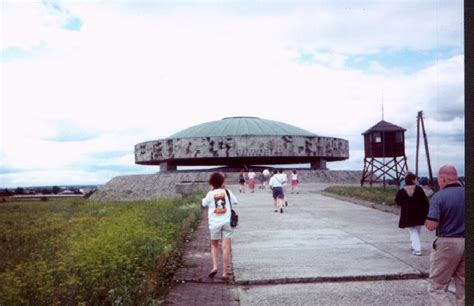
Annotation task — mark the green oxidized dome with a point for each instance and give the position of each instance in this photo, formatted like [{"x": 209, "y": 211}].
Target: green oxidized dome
[{"x": 242, "y": 126}]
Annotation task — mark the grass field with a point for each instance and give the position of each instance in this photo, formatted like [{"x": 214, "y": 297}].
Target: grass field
[
  {"x": 377, "y": 194},
  {"x": 79, "y": 252}
]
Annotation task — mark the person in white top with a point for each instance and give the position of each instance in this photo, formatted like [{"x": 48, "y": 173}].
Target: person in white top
[
  {"x": 219, "y": 201},
  {"x": 284, "y": 179},
  {"x": 276, "y": 184},
  {"x": 251, "y": 175},
  {"x": 266, "y": 177},
  {"x": 294, "y": 182}
]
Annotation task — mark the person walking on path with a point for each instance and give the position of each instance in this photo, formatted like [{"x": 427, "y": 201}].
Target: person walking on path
[
  {"x": 277, "y": 191},
  {"x": 242, "y": 181},
  {"x": 266, "y": 177},
  {"x": 294, "y": 182},
  {"x": 446, "y": 216},
  {"x": 414, "y": 209},
  {"x": 218, "y": 201},
  {"x": 283, "y": 178},
  {"x": 251, "y": 175}
]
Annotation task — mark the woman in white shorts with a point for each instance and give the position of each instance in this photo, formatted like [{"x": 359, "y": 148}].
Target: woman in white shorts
[{"x": 218, "y": 202}]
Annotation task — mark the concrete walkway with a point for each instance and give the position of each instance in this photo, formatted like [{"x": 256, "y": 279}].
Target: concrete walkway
[
  {"x": 322, "y": 251},
  {"x": 191, "y": 285}
]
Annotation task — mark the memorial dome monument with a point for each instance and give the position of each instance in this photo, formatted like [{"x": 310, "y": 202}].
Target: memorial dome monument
[{"x": 236, "y": 142}]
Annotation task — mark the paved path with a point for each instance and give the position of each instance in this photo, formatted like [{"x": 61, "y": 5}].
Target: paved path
[
  {"x": 320, "y": 251},
  {"x": 191, "y": 285}
]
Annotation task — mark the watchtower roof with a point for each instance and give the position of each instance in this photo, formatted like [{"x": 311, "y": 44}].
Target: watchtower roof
[
  {"x": 384, "y": 126},
  {"x": 242, "y": 126}
]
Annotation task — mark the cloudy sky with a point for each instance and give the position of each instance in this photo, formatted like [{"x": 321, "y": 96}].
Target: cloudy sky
[{"x": 82, "y": 82}]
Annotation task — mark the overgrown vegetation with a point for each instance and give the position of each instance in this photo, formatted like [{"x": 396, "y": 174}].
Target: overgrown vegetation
[
  {"x": 78, "y": 252},
  {"x": 374, "y": 194}
]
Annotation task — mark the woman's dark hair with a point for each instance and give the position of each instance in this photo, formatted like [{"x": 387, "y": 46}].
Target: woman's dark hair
[
  {"x": 410, "y": 178},
  {"x": 216, "y": 180}
]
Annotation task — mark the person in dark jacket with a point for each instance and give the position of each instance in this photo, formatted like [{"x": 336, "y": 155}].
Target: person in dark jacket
[{"x": 414, "y": 209}]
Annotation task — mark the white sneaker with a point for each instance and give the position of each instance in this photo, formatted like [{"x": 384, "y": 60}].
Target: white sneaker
[{"x": 417, "y": 253}]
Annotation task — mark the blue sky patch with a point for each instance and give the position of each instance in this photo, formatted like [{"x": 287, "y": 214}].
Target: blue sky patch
[
  {"x": 6, "y": 170},
  {"x": 69, "y": 135},
  {"x": 72, "y": 23},
  {"x": 54, "y": 5},
  {"x": 305, "y": 58},
  {"x": 406, "y": 60},
  {"x": 124, "y": 169},
  {"x": 11, "y": 53},
  {"x": 105, "y": 155},
  {"x": 14, "y": 52}
]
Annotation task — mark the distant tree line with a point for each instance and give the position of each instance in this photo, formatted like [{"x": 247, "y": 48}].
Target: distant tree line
[{"x": 37, "y": 190}]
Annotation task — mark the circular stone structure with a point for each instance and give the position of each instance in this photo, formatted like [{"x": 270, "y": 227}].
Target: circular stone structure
[{"x": 241, "y": 141}]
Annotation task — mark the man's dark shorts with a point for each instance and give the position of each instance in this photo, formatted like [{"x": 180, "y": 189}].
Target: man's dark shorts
[{"x": 277, "y": 192}]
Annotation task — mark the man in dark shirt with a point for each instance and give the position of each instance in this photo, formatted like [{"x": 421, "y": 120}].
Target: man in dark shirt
[{"x": 446, "y": 215}]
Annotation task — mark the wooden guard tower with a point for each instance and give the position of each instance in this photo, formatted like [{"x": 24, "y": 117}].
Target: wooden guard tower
[{"x": 384, "y": 145}]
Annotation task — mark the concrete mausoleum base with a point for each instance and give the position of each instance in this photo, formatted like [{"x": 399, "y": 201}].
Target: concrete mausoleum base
[{"x": 182, "y": 183}]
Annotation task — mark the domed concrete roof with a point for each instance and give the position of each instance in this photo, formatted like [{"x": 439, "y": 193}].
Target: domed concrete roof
[
  {"x": 236, "y": 142},
  {"x": 242, "y": 126}
]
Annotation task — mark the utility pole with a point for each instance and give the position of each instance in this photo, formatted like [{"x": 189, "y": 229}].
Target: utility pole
[
  {"x": 420, "y": 119},
  {"x": 383, "y": 146},
  {"x": 417, "y": 141}
]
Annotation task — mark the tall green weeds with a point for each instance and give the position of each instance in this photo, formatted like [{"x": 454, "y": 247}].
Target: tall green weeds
[{"x": 77, "y": 252}]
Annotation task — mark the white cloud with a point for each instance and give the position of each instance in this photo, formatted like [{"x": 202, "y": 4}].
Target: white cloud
[
  {"x": 137, "y": 72},
  {"x": 366, "y": 27}
]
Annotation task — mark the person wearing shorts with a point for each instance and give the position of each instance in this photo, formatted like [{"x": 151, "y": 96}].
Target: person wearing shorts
[
  {"x": 218, "y": 203},
  {"x": 283, "y": 179},
  {"x": 277, "y": 191}
]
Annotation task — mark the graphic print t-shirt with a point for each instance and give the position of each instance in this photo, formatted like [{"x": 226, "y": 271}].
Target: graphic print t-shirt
[{"x": 219, "y": 208}]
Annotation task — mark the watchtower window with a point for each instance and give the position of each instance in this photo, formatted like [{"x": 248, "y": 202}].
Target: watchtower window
[
  {"x": 378, "y": 137},
  {"x": 399, "y": 137}
]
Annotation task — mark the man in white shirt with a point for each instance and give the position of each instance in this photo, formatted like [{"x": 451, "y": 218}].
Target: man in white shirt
[
  {"x": 284, "y": 179},
  {"x": 276, "y": 184}
]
